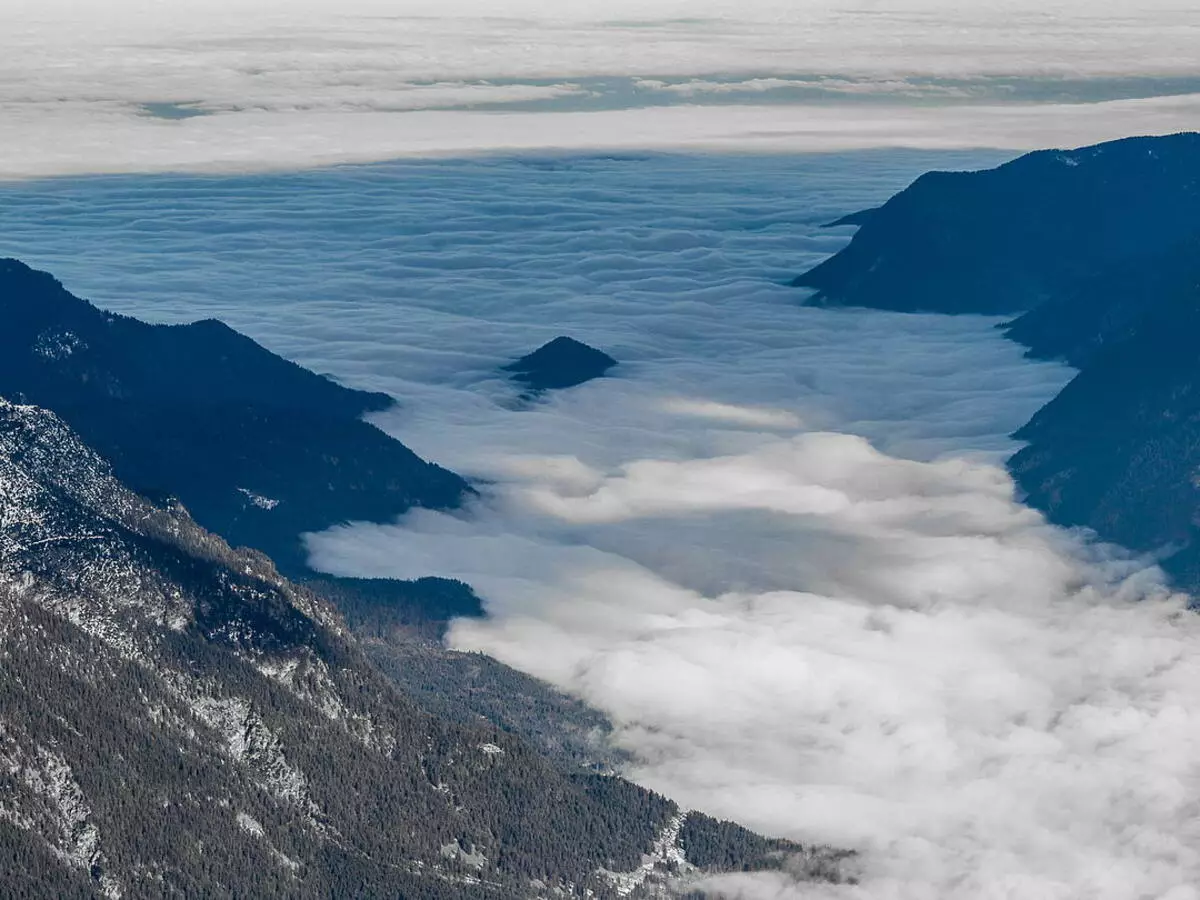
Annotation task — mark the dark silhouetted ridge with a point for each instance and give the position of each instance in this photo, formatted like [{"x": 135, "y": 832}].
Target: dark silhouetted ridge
[
  {"x": 1005, "y": 240},
  {"x": 562, "y": 363},
  {"x": 1118, "y": 450},
  {"x": 1099, "y": 250},
  {"x": 259, "y": 449}
]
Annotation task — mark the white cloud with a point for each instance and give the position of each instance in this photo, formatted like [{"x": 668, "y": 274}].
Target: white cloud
[
  {"x": 733, "y": 414},
  {"x": 825, "y": 642},
  {"x": 105, "y": 138},
  {"x": 308, "y": 83},
  {"x": 865, "y": 86}
]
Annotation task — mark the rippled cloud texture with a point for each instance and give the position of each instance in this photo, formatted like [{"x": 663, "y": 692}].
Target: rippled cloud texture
[
  {"x": 153, "y": 85},
  {"x": 775, "y": 547}
]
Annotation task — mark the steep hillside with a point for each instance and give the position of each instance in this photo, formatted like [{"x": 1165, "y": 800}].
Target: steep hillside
[
  {"x": 1006, "y": 239},
  {"x": 1111, "y": 306},
  {"x": 1118, "y": 449},
  {"x": 259, "y": 449},
  {"x": 178, "y": 720},
  {"x": 400, "y": 625}
]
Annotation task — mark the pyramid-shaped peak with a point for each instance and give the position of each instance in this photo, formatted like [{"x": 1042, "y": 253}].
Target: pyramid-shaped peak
[{"x": 561, "y": 363}]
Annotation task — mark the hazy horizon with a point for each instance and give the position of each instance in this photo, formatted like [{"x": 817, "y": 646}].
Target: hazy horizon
[{"x": 217, "y": 86}]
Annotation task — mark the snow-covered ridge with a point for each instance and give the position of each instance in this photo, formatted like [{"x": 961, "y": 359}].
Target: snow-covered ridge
[{"x": 259, "y": 500}]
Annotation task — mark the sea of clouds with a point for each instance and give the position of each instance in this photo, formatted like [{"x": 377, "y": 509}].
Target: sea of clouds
[
  {"x": 164, "y": 85},
  {"x": 777, "y": 547}
]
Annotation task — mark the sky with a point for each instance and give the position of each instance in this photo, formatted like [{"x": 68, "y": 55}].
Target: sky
[{"x": 140, "y": 85}]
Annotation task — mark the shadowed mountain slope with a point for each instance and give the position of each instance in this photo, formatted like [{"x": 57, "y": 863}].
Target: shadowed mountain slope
[
  {"x": 259, "y": 449},
  {"x": 1007, "y": 239},
  {"x": 1101, "y": 247},
  {"x": 1110, "y": 306},
  {"x": 1118, "y": 449}
]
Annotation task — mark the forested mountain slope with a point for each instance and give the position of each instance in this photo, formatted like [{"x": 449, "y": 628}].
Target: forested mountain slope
[
  {"x": 1118, "y": 449},
  {"x": 176, "y": 719},
  {"x": 562, "y": 363},
  {"x": 1004, "y": 240},
  {"x": 1111, "y": 305}
]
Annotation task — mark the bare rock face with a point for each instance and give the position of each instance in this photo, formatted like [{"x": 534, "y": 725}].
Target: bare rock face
[{"x": 562, "y": 363}]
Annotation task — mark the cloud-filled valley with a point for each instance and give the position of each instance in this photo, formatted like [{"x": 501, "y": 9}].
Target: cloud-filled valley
[{"x": 776, "y": 547}]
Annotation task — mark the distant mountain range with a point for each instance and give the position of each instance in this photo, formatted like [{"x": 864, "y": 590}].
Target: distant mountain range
[
  {"x": 179, "y": 719},
  {"x": 1100, "y": 247}
]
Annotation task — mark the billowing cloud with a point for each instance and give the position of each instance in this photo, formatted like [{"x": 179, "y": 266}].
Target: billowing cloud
[
  {"x": 733, "y": 414},
  {"x": 826, "y": 642},
  {"x": 829, "y": 643}
]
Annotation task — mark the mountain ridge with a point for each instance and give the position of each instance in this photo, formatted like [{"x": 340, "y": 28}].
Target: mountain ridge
[
  {"x": 561, "y": 363},
  {"x": 1002, "y": 240},
  {"x": 258, "y": 448}
]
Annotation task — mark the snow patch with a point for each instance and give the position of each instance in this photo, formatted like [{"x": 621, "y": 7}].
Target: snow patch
[
  {"x": 248, "y": 740},
  {"x": 258, "y": 499},
  {"x": 249, "y": 824},
  {"x": 253, "y": 827},
  {"x": 473, "y": 858},
  {"x": 665, "y": 859},
  {"x": 48, "y": 776},
  {"x": 57, "y": 345}
]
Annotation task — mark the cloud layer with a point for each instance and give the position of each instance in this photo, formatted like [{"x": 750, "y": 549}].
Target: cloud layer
[
  {"x": 774, "y": 547},
  {"x": 143, "y": 85},
  {"x": 825, "y": 642}
]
